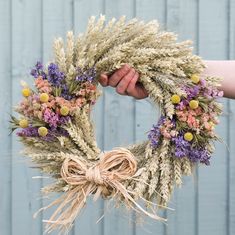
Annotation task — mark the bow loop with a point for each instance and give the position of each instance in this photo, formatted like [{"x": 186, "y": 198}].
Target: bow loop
[{"x": 120, "y": 162}]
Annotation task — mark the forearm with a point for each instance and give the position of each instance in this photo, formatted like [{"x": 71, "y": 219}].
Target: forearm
[{"x": 224, "y": 69}]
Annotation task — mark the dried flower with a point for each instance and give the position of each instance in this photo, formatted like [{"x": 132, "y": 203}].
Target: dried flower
[
  {"x": 42, "y": 131},
  {"x": 26, "y": 92},
  {"x": 23, "y": 123},
  {"x": 175, "y": 99}
]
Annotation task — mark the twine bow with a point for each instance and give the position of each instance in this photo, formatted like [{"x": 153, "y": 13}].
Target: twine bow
[{"x": 104, "y": 178}]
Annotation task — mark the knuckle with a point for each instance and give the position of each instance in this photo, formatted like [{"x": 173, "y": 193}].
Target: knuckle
[
  {"x": 125, "y": 69},
  {"x": 119, "y": 90}
]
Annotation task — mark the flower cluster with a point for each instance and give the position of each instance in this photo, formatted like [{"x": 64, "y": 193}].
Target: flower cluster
[
  {"x": 191, "y": 128},
  {"x": 54, "y": 102}
]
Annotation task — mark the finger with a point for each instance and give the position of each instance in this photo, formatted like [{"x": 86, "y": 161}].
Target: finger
[
  {"x": 118, "y": 75},
  {"x": 103, "y": 80},
  {"x": 123, "y": 84},
  {"x": 131, "y": 89}
]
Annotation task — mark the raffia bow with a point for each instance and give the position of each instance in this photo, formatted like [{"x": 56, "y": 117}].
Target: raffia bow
[{"x": 103, "y": 178}]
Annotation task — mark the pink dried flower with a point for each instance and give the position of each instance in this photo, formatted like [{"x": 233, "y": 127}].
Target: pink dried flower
[{"x": 43, "y": 85}]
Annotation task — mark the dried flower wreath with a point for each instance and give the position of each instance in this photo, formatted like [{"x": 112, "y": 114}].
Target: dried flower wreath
[{"x": 58, "y": 134}]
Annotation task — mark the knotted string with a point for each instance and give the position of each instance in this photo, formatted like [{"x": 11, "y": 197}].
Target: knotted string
[{"x": 103, "y": 178}]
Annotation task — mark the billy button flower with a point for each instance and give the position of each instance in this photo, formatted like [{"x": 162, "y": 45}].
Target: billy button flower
[
  {"x": 23, "y": 123},
  {"x": 44, "y": 97},
  {"x": 42, "y": 131},
  {"x": 195, "y": 78},
  {"x": 212, "y": 124},
  {"x": 26, "y": 92},
  {"x": 193, "y": 104},
  {"x": 188, "y": 136},
  {"x": 175, "y": 99},
  {"x": 64, "y": 110}
]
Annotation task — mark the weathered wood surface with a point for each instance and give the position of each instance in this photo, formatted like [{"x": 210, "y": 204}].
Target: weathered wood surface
[{"x": 205, "y": 204}]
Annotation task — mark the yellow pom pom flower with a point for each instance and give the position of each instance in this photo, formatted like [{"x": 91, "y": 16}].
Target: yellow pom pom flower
[
  {"x": 195, "y": 78},
  {"x": 212, "y": 124},
  {"x": 23, "y": 123},
  {"x": 64, "y": 110},
  {"x": 44, "y": 97},
  {"x": 175, "y": 99},
  {"x": 42, "y": 131},
  {"x": 188, "y": 136},
  {"x": 26, "y": 92},
  {"x": 193, "y": 104}
]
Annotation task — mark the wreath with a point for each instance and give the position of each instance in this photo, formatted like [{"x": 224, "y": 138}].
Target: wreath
[{"x": 58, "y": 134}]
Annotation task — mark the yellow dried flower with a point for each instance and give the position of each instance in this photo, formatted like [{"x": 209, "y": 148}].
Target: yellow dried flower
[
  {"x": 175, "y": 99},
  {"x": 44, "y": 97},
  {"x": 23, "y": 123},
  {"x": 42, "y": 131},
  {"x": 188, "y": 136},
  {"x": 195, "y": 78},
  {"x": 212, "y": 124},
  {"x": 26, "y": 92},
  {"x": 64, "y": 110},
  {"x": 193, "y": 104}
]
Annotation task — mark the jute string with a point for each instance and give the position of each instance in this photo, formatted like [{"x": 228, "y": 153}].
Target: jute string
[{"x": 103, "y": 178}]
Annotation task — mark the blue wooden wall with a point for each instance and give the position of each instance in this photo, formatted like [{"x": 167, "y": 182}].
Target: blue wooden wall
[{"x": 206, "y": 203}]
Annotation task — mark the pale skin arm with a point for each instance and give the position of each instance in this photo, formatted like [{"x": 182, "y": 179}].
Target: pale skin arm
[
  {"x": 224, "y": 69},
  {"x": 125, "y": 79}
]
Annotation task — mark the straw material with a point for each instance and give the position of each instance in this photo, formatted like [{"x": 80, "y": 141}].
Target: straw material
[{"x": 101, "y": 179}]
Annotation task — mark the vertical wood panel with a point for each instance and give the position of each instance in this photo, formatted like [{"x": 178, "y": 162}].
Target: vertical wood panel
[
  {"x": 34, "y": 26},
  {"x": 57, "y": 19},
  {"x": 5, "y": 107},
  {"x": 26, "y": 47},
  {"x": 118, "y": 128},
  {"x": 213, "y": 38},
  {"x": 86, "y": 223},
  {"x": 231, "y": 130},
  {"x": 182, "y": 19},
  {"x": 145, "y": 112}
]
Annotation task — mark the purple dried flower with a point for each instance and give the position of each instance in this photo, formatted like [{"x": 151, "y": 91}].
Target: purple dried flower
[
  {"x": 184, "y": 148},
  {"x": 28, "y": 132},
  {"x": 57, "y": 79},
  {"x": 51, "y": 118},
  {"x": 212, "y": 93},
  {"x": 63, "y": 120},
  {"x": 203, "y": 82},
  {"x": 38, "y": 71},
  {"x": 55, "y": 76},
  {"x": 155, "y": 134},
  {"x": 87, "y": 75},
  {"x": 200, "y": 154},
  {"x": 192, "y": 91},
  {"x": 51, "y": 136}
]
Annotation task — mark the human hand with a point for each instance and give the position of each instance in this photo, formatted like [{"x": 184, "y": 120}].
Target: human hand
[{"x": 126, "y": 82}]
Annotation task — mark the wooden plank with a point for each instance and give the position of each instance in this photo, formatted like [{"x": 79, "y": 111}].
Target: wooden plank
[
  {"x": 26, "y": 47},
  {"x": 212, "y": 195},
  {"x": 151, "y": 10},
  {"x": 231, "y": 170},
  {"x": 231, "y": 129},
  {"x": 57, "y": 19},
  {"x": 145, "y": 113},
  {"x": 182, "y": 19},
  {"x": 118, "y": 128},
  {"x": 5, "y": 107},
  {"x": 86, "y": 223}
]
